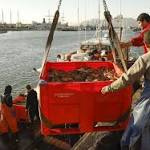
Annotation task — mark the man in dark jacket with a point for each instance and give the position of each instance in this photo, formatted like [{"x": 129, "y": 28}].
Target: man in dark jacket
[{"x": 32, "y": 103}]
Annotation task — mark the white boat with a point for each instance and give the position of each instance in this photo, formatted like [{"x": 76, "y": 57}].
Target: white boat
[{"x": 92, "y": 49}]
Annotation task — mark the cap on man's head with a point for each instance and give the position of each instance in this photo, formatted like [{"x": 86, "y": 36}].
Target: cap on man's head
[
  {"x": 143, "y": 16},
  {"x": 147, "y": 37},
  {"x": 28, "y": 87}
]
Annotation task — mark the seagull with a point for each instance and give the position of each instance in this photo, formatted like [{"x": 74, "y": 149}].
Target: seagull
[{"x": 37, "y": 70}]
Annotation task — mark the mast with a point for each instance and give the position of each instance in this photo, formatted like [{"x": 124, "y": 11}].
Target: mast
[
  {"x": 99, "y": 17},
  {"x": 78, "y": 22},
  {"x": 18, "y": 17},
  {"x": 10, "y": 17},
  {"x": 63, "y": 18},
  {"x": 49, "y": 20},
  {"x": 120, "y": 20},
  {"x": 98, "y": 30},
  {"x": 2, "y": 16},
  {"x": 85, "y": 19}
]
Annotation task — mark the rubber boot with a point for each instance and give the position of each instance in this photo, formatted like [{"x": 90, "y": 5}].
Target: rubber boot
[
  {"x": 5, "y": 140},
  {"x": 5, "y": 137},
  {"x": 16, "y": 138},
  {"x": 14, "y": 141}
]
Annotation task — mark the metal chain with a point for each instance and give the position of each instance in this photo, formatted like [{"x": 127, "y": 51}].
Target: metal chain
[
  {"x": 59, "y": 4},
  {"x": 107, "y": 13},
  {"x": 105, "y": 5}
]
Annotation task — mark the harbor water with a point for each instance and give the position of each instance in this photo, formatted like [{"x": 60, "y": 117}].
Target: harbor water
[{"x": 21, "y": 51}]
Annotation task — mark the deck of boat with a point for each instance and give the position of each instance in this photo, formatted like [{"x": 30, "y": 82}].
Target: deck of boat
[
  {"x": 27, "y": 141},
  {"x": 30, "y": 139}
]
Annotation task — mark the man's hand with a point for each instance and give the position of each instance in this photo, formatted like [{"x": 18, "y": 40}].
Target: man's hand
[
  {"x": 125, "y": 44},
  {"x": 104, "y": 90}
]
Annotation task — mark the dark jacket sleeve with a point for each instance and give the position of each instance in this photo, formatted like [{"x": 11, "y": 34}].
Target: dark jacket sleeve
[
  {"x": 8, "y": 100},
  {"x": 27, "y": 101},
  {"x": 31, "y": 100}
]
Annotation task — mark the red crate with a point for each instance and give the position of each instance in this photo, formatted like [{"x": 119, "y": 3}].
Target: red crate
[{"x": 76, "y": 107}]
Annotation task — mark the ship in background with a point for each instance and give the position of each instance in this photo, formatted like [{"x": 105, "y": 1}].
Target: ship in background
[
  {"x": 3, "y": 31},
  {"x": 63, "y": 25}
]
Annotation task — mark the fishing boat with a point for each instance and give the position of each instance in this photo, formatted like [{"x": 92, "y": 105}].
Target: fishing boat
[
  {"x": 87, "y": 50},
  {"x": 70, "y": 109}
]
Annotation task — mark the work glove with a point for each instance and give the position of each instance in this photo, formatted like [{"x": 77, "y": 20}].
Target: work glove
[{"x": 105, "y": 89}]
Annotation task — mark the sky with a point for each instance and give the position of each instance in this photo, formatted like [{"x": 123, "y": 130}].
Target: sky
[{"x": 27, "y": 11}]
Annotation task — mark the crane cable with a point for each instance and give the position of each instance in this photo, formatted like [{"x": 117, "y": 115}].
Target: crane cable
[
  {"x": 50, "y": 37},
  {"x": 113, "y": 37}
]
